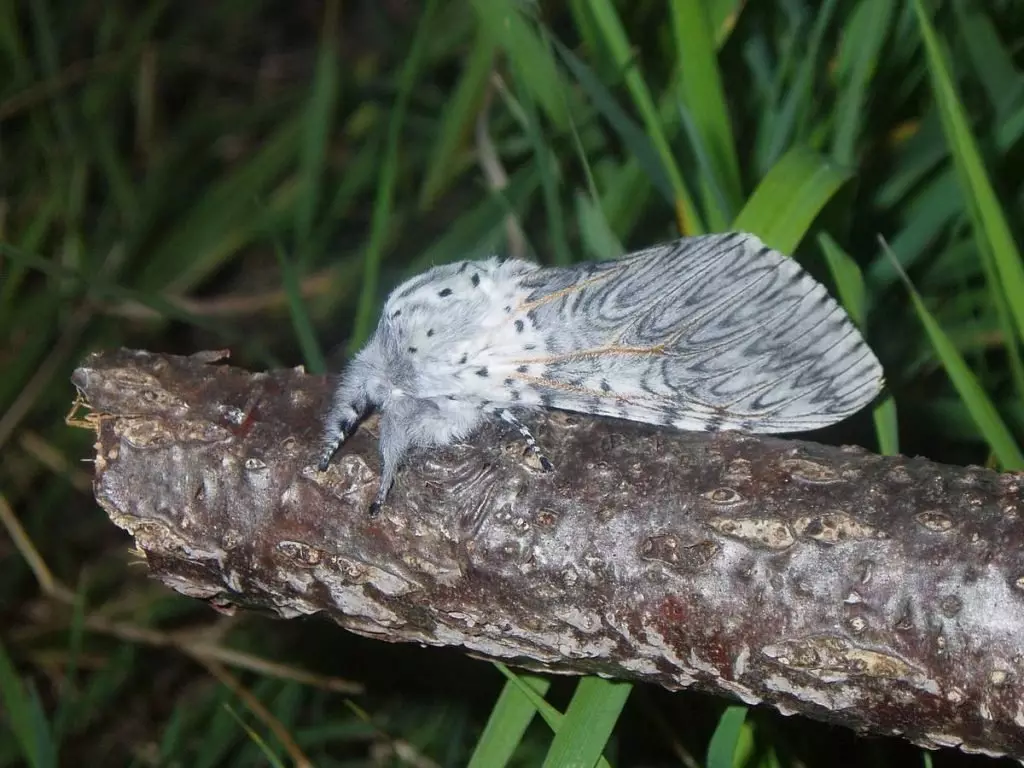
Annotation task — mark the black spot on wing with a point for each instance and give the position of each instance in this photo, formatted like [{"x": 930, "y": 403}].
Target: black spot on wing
[
  {"x": 430, "y": 332},
  {"x": 522, "y": 369},
  {"x": 519, "y": 326},
  {"x": 463, "y": 359},
  {"x": 444, "y": 292},
  {"x": 475, "y": 279},
  {"x": 482, "y": 372},
  {"x": 413, "y": 350},
  {"x": 605, "y": 386}
]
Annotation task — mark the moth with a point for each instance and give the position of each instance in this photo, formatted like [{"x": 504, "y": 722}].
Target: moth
[{"x": 717, "y": 332}]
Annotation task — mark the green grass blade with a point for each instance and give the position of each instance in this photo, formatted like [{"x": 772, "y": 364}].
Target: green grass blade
[
  {"x": 512, "y": 714},
  {"x": 850, "y": 285},
  {"x": 700, "y": 89},
  {"x": 518, "y": 36},
  {"x": 479, "y": 232},
  {"x": 789, "y": 100},
  {"x": 25, "y": 717},
  {"x": 722, "y": 748},
  {"x": 863, "y": 38},
  {"x": 992, "y": 62},
  {"x": 265, "y": 751},
  {"x": 381, "y": 221},
  {"x": 318, "y": 122},
  {"x": 551, "y": 716},
  {"x": 720, "y": 209},
  {"x": 459, "y": 117},
  {"x": 638, "y": 143},
  {"x": 990, "y": 226},
  {"x": 980, "y": 406},
  {"x": 788, "y": 199},
  {"x": 546, "y": 163},
  {"x": 723, "y": 15},
  {"x": 598, "y": 239},
  {"x": 305, "y": 333},
  {"x": 608, "y": 22},
  {"x": 588, "y": 722},
  {"x": 221, "y": 219}
]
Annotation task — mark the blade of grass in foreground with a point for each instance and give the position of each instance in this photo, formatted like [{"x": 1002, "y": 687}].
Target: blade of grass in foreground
[
  {"x": 722, "y": 748},
  {"x": 551, "y": 716},
  {"x": 789, "y": 198},
  {"x": 509, "y": 719},
  {"x": 850, "y": 285},
  {"x": 984, "y": 413},
  {"x": 588, "y": 722},
  {"x": 990, "y": 226},
  {"x": 700, "y": 89}
]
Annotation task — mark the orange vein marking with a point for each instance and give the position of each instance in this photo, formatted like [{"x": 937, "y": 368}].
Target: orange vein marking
[
  {"x": 528, "y": 305},
  {"x": 583, "y": 354}
]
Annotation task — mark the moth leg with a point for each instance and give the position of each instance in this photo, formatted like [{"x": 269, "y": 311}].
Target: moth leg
[
  {"x": 335, "y": 438},
  {"x": 348, "y": 408},
  {"x": 531, "y": 442},
  {"x": 396, "y": 438}
]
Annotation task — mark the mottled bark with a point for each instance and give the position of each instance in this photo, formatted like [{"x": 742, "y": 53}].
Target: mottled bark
[{"x": 885, "y": 594}]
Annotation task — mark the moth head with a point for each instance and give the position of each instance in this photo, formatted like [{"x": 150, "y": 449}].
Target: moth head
[{"x": 382, "y": 367}]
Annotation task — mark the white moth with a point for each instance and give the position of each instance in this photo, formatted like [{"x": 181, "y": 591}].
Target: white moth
[{"x": 717, "y": 332}]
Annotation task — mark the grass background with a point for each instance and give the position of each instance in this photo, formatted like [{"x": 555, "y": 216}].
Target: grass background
[{"x": 257, "y": 175}]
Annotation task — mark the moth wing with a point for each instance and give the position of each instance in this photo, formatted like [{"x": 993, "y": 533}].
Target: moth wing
[{"x": 710, "y": 332}]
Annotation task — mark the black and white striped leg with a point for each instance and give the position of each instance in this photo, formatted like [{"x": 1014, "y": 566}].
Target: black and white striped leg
[
  {"x": 334, "y": 441},
  {"x": 531, "y": 442}
]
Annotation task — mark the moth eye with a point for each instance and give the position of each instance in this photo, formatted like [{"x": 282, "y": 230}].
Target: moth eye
[{"x": 445, "y": 292}]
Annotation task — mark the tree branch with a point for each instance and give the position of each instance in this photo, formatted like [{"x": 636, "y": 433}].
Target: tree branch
[{"x": 883, "y": 594}]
